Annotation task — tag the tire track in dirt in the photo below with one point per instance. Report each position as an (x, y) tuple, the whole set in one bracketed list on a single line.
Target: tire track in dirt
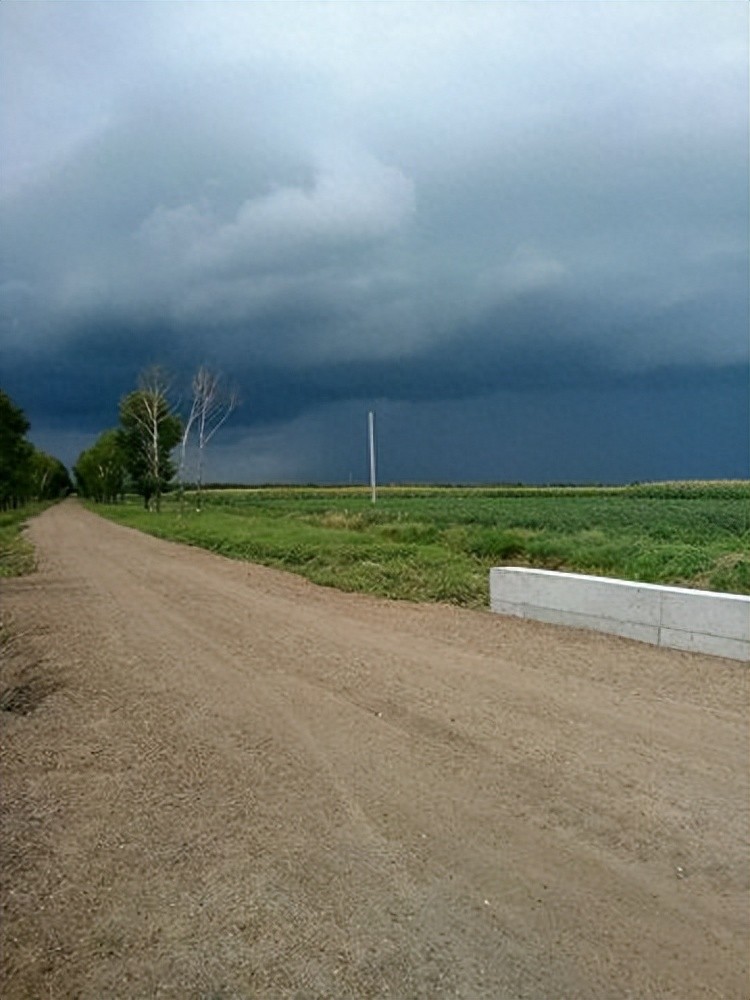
[(242, 785)]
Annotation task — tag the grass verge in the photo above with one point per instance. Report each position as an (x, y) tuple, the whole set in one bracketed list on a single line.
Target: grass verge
[(438, 544), (341, 557), (16, 552)]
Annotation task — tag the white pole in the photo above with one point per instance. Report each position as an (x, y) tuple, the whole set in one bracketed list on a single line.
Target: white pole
[(371, 440)]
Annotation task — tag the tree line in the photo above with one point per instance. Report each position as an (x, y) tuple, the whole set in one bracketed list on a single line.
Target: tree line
[(149, 448), (26, 472)]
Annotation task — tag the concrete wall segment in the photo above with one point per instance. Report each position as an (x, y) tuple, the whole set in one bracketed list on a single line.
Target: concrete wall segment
[(701, 611), (699, 621), (700, 642)]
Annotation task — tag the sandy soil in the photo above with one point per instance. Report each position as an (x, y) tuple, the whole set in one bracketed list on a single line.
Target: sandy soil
[(221, 781)]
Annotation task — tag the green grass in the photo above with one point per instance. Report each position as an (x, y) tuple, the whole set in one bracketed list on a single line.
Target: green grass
[(16, 553), (438, 544)]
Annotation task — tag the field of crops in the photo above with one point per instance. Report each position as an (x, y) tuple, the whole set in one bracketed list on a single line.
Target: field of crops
[(438, 543)]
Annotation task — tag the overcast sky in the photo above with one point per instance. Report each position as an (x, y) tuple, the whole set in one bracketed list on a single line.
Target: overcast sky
[(518, 231)]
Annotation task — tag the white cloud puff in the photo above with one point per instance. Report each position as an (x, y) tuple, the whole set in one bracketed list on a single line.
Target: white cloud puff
[(354, 199)]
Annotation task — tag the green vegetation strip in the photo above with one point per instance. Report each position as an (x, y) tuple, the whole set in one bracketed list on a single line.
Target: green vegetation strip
[(438, 544), (16, 553)]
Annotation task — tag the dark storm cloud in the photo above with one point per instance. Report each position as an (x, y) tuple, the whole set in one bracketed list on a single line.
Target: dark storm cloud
[(338, 204)]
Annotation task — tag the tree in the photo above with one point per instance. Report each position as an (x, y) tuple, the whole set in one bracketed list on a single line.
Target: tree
[(25, 472), (101, 469), (212, 403), (50, 478), (151, 429), (15, 454)]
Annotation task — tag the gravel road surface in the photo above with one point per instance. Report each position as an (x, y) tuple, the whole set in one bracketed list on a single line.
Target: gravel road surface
[(220, 781)]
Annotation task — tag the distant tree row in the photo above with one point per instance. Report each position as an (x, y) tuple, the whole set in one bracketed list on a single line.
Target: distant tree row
[(138, 455), (26, 473)]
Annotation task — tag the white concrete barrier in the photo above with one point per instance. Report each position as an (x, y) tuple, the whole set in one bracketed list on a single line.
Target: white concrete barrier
[(697, 620)]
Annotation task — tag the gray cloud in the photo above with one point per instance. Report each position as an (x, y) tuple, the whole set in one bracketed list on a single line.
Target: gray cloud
[(349, 201)]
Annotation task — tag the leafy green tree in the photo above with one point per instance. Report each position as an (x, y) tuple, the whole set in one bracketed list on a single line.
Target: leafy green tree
[(100, 470), (15, 454), (25, 472), (150, 431), (50, 478)]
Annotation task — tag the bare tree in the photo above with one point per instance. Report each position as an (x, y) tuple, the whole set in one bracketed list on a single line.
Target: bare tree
[(210, 408)]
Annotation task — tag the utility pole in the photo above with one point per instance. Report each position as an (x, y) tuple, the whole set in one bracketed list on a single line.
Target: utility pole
[(371, 441)]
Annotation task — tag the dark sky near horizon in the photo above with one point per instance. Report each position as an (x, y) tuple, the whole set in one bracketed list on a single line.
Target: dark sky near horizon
[(518, 231)]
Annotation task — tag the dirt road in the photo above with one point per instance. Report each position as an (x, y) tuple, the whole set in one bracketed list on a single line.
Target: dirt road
[(231, 783)]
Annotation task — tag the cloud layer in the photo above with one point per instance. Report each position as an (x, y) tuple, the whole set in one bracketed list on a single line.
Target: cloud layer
[(341, 203)]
